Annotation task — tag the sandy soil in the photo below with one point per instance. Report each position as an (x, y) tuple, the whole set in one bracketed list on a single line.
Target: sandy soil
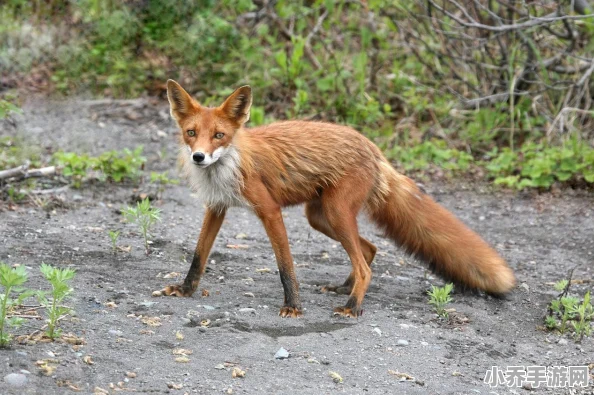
[(542, 237)]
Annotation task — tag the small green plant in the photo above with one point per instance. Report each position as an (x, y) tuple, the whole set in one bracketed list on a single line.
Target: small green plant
[(566, 310), (144, 216), (162, 179), (11, 279), (117, 166), (550, 322), (58, 278), (439, 297), (74, 166), (6, 108), (583, 314), (113, 236), (561, 285)]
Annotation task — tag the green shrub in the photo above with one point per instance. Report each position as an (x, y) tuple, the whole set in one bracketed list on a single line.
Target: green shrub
[(112, 165)]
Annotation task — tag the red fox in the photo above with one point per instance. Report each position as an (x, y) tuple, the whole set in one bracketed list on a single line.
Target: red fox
[(336, 172)]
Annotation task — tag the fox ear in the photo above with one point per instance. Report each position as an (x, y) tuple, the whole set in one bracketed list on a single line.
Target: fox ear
[(180, 102), (237, 106)]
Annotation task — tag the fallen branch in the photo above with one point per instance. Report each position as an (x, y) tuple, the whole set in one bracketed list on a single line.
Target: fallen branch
[(17, 171), (23, 172)]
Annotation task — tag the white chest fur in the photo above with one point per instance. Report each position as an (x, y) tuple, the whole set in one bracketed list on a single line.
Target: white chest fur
[(217, 185)]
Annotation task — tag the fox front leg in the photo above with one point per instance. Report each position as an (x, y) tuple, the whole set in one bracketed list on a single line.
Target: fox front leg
[(213, 219)]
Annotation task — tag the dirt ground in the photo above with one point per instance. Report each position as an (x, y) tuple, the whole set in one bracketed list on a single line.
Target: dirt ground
[(542, 236)]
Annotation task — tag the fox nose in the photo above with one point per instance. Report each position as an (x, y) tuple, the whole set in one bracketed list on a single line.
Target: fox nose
[(198, 157)]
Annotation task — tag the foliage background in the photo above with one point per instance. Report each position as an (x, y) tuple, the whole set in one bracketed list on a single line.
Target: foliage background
[(491, 88)]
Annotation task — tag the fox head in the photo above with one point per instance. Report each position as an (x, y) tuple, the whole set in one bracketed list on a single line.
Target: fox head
[(208, 132)]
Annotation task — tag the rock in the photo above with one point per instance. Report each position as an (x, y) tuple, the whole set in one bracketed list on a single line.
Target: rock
[(281, 354), (247, 310), (378, 331), (16, 379), (114, 332), (563, 342), (525, 287), (220, 366), (402, 343), (207, 307)]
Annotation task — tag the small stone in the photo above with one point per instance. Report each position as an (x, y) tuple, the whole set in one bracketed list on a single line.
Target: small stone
[(207, 307), (402, 343), (378, 331), (525, 287), (157, 293), (114, 332), (249, 294), (424, 344), (16, 379), (281, 354), (247, 310), (563, 342), (131, 375), (404, 326), (220, 366)]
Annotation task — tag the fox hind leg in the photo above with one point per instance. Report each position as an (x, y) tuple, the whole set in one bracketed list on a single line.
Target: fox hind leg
[(340, 205), (315, 215)]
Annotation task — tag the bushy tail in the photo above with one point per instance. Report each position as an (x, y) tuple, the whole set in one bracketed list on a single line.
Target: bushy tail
[(430, 232)]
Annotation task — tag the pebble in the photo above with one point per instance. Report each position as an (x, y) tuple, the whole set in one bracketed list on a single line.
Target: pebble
[(207, 307), (247, 310), (16, 379), (404, 326), (114, 332), (378, 331), (563, 342), (402, 342), (249, 294), (281, 354)]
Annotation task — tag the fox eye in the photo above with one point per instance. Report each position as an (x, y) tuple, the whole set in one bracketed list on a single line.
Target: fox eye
[(191, 133), (219, 135)]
